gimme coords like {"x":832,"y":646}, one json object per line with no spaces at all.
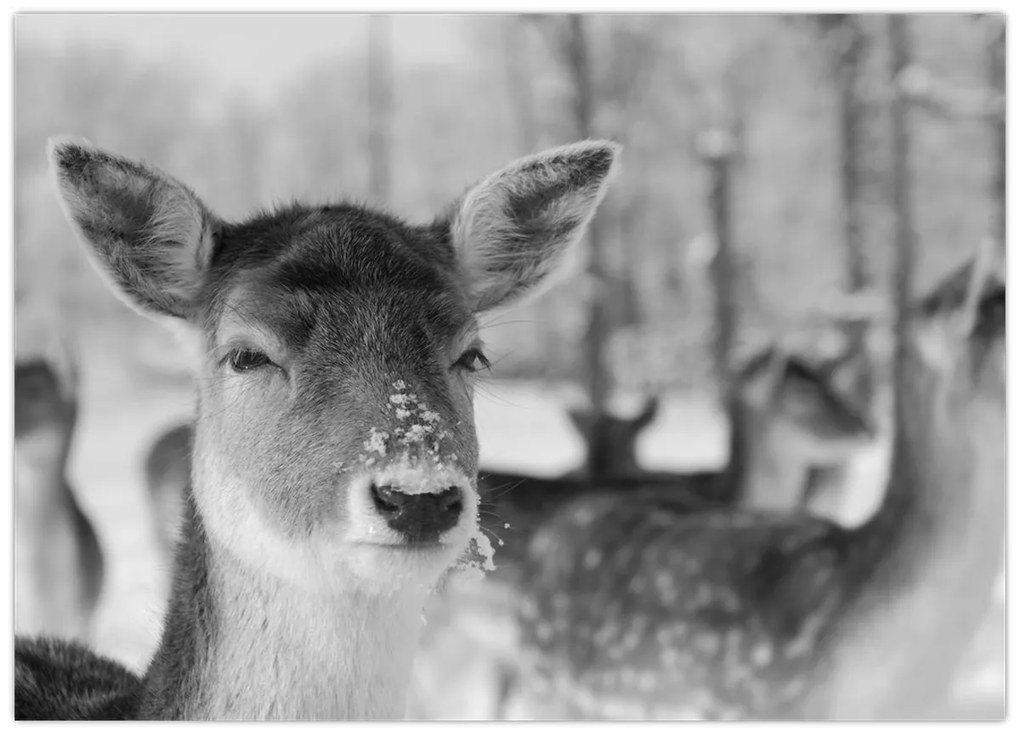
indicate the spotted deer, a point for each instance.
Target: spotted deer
{"x":789,"y":417}
{"x":58,"y":563}
{"x":335,"y":449}
{"x":637,"y":609}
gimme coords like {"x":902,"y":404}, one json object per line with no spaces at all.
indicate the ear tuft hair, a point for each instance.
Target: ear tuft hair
{"x":513,"y":229}
{"x":145,"y":231}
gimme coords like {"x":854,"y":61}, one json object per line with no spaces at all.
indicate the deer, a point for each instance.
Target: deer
{"x":335,"y":449}
{"x":637,"y":610}
{"x":167,"y":473}
{"x":58,"y":561}
{"x":789,"y":415}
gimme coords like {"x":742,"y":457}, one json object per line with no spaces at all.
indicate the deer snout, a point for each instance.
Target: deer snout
{"x":420,"y":517}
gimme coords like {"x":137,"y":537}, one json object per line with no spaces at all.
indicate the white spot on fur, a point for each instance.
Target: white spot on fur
{"x":584,"y":515}
{"x":761,"y":655}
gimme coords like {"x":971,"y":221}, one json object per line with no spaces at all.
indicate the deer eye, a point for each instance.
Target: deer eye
{"x":472,"y":361}
{"x":243,"y":360}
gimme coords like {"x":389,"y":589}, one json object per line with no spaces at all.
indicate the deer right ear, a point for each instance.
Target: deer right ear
{"x":649,"y":410}
{"x":956,"y":305}
{"x":146,"y":231}
{"x":512,"y":230}
{"x":582,"y":419}
{"x":760,"y":383}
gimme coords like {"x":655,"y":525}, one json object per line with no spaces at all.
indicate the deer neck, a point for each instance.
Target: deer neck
{"x":921,"y":571}
{"x":944,"y":504}
{"x":759,"y":473}
{"x":241,"y":644}
{"x":730,"y":480}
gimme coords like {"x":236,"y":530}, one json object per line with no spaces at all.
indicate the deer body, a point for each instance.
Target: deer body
{"x":58,"y":561}
{"x":787,"y":417}
{"x":334,"y":451}
{"x":924,"y":568}
{"x":639,"y":611}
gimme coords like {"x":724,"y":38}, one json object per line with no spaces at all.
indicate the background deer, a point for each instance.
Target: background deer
{"x":334,"y":446}
{"x":791,"y":417}
{"x":58,"y":563}
{"x":167,"y":472}
{"x":635,"y":610}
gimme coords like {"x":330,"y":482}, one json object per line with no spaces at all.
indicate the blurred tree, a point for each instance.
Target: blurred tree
{"x":627,"y":63}
{"x":380,"y":105}
{"x":519,"y":87}
{"x":595,"y":374}
{"x":717,"y":147}
{"x":845,"y":39}
{"x":995,"y":30}
{"x":904,"y":243}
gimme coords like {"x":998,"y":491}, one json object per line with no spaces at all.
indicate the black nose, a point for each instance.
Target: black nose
{"x":421,"y":517}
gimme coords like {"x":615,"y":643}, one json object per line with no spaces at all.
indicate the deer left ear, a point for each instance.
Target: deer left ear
{"x":147,"y":232}
{"x":513,"y":229}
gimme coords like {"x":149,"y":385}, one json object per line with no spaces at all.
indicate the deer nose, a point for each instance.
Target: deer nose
{"x":421,"y":517}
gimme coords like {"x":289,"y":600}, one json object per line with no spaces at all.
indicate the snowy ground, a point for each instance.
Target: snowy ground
{"x":520,"y":427}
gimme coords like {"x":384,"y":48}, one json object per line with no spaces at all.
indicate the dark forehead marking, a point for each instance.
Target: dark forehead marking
{"x":341,"y":237}
{"x":311,"y":256}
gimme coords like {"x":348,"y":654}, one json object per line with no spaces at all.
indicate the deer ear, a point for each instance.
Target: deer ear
{"x":761,"y":380}
{"x":513,"y":229}
{"x":647,"y":415}
{"x":840,"y":370}
{"x":583,"y":420}
{"x":954,"y":308}
{"x":145,"y":231}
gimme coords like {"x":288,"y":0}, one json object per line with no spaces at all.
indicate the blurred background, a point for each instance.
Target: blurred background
{"x":751,"y":201}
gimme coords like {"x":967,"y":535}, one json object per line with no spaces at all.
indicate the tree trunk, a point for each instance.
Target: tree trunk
{"x":997,"y":84}
{"x":902,"y":212}
{"x":597,"y":327}
{"x":521,"y":100}
{"x":717,"y":148}
{"x":848,"y":39}
{"x":380,"y":105}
